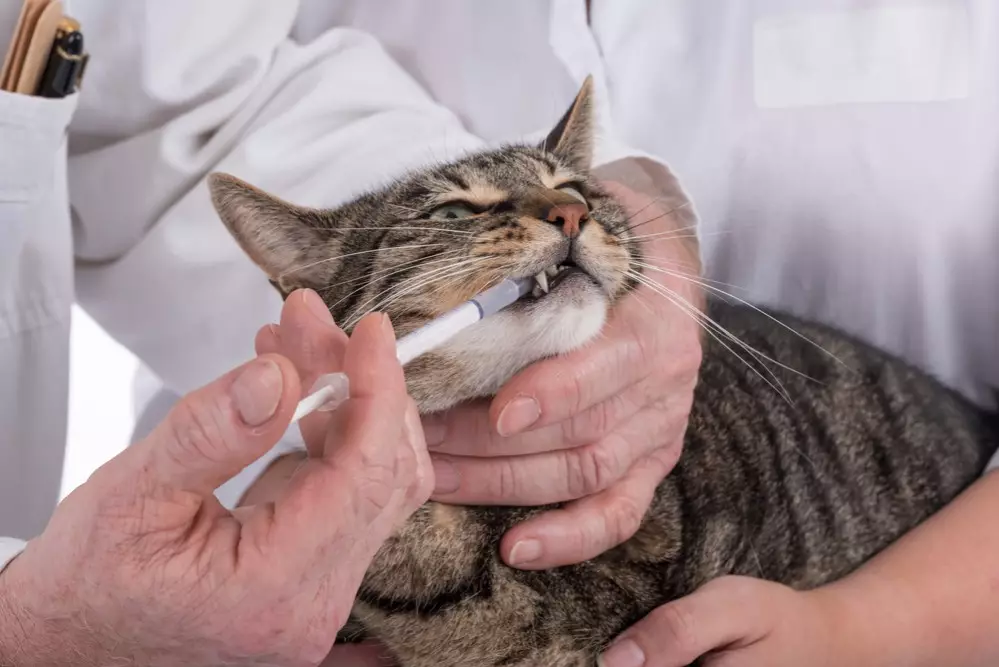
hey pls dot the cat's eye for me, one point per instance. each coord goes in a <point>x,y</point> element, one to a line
<point>573,191</point>
<point>452,211</point>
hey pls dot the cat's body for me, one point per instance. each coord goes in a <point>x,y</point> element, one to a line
<point>798,476</point>
<point>800,492</point>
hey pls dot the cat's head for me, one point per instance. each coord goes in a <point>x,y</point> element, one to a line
<point>440,235</point>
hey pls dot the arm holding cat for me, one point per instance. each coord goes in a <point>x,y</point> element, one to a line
<point>930,599</point>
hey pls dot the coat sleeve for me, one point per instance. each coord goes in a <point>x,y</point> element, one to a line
<point>177,90</point>
<point>10,549</point>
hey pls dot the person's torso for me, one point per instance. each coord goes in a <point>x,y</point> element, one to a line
<point>842,157</point>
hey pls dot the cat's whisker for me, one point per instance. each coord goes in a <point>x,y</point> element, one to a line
<point>418,280</point>
<point>394,297</point>
<point>678,230</point>
<point>381,275</point>
<point>661,235</point>
<point>717,290</point>
<point>394,293</point>
<point>652,202</point>
<point>684,265</point>
<point>441,257</point>
<point>778,388</point>
<point>417,229</point>
<point>661,215</point>
<point>296,269</point>
<point>711,327</point>
<point>388,291</point>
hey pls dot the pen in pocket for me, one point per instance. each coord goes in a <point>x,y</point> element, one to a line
<point>66,64</point>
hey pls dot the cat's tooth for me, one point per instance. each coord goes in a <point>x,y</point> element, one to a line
<point>536,292</point>
<point>542,281</point>
<point>552,271</point>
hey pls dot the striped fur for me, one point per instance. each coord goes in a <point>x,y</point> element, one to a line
<point>799,490</point>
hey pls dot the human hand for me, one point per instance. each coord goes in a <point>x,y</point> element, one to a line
<point>601,426</point>
<point>739,622</point>
<point>308,337</point>
<point>141,563</point>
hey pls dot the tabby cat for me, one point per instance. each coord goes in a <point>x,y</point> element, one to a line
<point>799,487</point>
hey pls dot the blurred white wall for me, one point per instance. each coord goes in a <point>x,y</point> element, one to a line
<point>101,400</point>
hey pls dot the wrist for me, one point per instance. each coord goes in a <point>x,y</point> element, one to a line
<point>18,628</point>
<point>872,621</point>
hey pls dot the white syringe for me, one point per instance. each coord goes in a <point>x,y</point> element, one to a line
<point>332,389</point>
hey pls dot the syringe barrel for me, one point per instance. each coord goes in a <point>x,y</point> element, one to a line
<point>437,332</point>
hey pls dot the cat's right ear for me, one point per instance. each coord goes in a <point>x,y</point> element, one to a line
<point>572,138</point>
<point>281,238</point>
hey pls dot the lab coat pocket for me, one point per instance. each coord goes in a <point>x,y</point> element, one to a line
<point>32,167</point>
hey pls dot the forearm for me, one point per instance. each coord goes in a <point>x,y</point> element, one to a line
<point>26,639</point>
<point>933,597</point>
<point>12,631</point>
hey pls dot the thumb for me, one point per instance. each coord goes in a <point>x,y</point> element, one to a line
<point>722,612</point>
<point>216,431</point>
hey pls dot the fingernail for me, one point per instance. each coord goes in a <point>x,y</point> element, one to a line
<point>257,391</point>
<point>625,653</point>
<point>317,307</point>
<point>517,415</point>
<point>446,477</point>
<point>525,551</point>
<point>434,430</point>
<point>387,325</point>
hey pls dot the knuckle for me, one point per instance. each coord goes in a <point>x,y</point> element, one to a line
<point>374,491</point>
<point>624,517</point>
<point>741,590</point>
<point>507,482</point>
<point>596,421</point>
<point>197,431</point>
<point>590,469</point>
<point>573,393</point>
<point>677,628</point>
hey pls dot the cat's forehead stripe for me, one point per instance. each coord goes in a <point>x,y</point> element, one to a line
<point>477,192</point>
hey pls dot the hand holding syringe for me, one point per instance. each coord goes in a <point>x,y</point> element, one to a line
<point>332,389</point>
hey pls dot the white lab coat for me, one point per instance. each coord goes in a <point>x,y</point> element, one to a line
<point>839,194</point>
<point>173,91</point>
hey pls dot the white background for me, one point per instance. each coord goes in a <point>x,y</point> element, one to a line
<point>102,406</point>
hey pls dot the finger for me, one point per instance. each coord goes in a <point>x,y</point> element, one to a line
<point>415,439</point>
<point>468,431</point>
<point>551,477</point>
<point>590,526</point>
<point>309,337</point>
<point>720,613</point>
<point>370,360</point>
<point>336,513</point>
<point>211,434</point>
<point>268,340</point>
<point>555,389</point>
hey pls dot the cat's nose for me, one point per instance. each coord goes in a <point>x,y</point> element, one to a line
<point>570,217</point>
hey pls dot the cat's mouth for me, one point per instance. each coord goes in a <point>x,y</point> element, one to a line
<point>548,279</point>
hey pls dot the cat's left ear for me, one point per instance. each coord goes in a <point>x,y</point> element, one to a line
<point>572,138</point>
<point>286,241</point>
